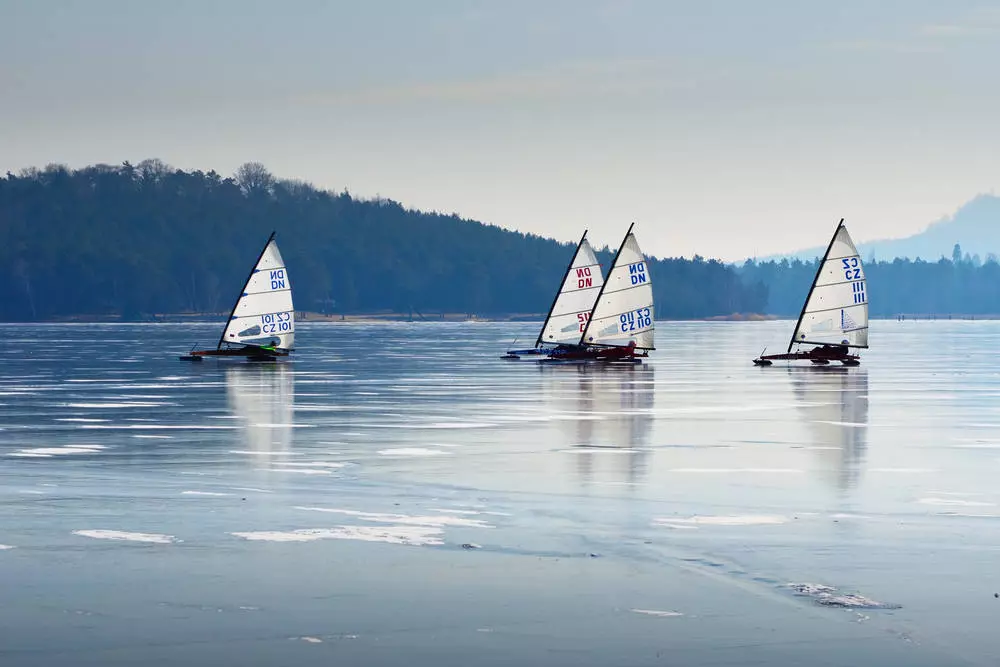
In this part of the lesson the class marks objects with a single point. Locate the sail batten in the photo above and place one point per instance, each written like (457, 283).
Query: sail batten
(264, 314)
(836, 309)
(623, 313)
(574, 301)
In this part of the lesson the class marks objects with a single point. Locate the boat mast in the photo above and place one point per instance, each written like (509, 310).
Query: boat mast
(614, 261)
(559, 291)
(813, 286)
(242, 291)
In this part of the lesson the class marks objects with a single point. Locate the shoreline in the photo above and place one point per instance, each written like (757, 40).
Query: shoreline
(376, 318)
(361, 318)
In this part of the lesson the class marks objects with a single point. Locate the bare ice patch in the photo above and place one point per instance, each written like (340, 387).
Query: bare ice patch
(656, 612)
(406, 535)
(738, 520)
(48, 452)
(828, 596)
(404, 519)
(150, 538)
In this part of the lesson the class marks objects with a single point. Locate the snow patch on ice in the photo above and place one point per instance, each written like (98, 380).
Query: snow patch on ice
(315, 464)
(404, 519)
(204, 493)
(406, 535)
(151, 538)
(48, 452)
(411, 451)
(731, 471)
(740, 520)
(656, 612)
(953, 502)
(828, 596)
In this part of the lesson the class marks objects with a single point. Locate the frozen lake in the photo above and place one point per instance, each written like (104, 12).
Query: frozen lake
(398, 495)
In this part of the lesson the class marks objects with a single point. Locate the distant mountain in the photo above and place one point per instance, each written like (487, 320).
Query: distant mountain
(975, 226)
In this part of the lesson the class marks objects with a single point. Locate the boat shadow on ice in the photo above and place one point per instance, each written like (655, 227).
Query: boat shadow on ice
(605, 415)
(833, 404)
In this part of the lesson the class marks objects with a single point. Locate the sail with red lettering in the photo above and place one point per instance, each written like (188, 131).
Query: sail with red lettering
(571, 308)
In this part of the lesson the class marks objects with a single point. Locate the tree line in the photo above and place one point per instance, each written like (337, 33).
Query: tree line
(137, 240)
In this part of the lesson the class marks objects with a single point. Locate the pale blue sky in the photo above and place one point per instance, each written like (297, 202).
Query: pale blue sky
(726, 128)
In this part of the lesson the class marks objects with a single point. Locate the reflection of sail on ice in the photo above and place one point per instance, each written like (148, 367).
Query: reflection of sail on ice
(612, 410)
(262, 397)
(834, 402)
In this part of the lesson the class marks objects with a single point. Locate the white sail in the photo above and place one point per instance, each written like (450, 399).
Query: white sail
(264, 314)
(624, 310)
(571, 309)
(836, 310)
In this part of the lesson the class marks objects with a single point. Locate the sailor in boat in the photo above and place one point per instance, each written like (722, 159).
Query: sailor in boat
(611, 353)
(830, 351)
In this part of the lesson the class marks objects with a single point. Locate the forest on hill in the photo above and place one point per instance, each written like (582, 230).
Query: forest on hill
(960, 285)
(137, 240)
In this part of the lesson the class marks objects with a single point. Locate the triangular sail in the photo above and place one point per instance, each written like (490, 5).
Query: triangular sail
(571, 308)
(624, 309)
(264, 314)
(836, 310)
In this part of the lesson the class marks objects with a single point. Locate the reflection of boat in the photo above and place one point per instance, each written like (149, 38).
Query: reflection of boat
(261, 325)
(572, 304)
(262, 397)
(834, 403)
(834, 316)
(604, 409)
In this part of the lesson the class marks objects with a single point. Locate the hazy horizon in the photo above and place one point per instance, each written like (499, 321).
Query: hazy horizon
(720, 128)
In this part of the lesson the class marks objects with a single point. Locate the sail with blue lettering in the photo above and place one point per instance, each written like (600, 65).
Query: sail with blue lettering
(264, 315)
(623, 313)
(836, 310)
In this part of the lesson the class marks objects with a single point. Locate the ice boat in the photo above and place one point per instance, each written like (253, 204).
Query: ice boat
(261, 325)
(834, 317)
(570, 309)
